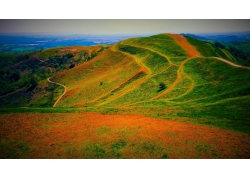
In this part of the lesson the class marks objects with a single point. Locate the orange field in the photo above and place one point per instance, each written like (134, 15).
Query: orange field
(95, 135)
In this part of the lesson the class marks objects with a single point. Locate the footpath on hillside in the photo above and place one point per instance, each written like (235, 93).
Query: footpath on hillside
(65, 90)
(192, 53)
(191, 50)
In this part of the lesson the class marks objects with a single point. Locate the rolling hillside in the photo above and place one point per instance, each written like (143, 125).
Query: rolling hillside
(24, 76)
(163, 96)
(166, 76)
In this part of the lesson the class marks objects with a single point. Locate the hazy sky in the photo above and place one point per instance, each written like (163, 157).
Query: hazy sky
(91, 26)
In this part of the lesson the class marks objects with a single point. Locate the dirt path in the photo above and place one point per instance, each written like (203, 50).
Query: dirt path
(230, 63)
(179, 74)
(152, 50)
(144, 68)
(132, 87)
(191, 50)
(192, 53)
(109, 93)
(65, 90)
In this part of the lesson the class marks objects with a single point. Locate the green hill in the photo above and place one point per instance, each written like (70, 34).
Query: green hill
(166, 75)
(163, 96)
(159, 74)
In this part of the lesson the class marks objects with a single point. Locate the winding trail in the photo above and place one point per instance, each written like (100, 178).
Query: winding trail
(231, 63)
(152, 50)
(144, 68)
(65, 90)
(192, 53)
(191, 50)
(179, 74)
(130, 88)
(109, 93)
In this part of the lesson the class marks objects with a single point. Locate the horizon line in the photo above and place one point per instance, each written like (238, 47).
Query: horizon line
(120, 34)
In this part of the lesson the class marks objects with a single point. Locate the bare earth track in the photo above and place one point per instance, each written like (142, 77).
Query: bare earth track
(231, 63)
(192, 53)
(191, 50)
(64, 92)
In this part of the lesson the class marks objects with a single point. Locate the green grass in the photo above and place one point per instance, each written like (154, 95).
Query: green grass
(85, 90)
(17, 99)
(208, 92)
(149, 88)
(212, 77)
(177, 60)
(36, 110)
(231, 115)
(207, 49)
(13, 150)
(161, 43)
(150, 59)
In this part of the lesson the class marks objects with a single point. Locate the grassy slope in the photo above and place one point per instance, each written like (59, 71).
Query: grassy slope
(126, 78)
(44, 94)
(92, 80)
(156, 58)
(207, 49)
(208, 91)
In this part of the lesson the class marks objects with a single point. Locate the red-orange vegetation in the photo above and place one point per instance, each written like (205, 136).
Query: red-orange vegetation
(79, 104)
(77, 135)
(71, 92)
(191, 50)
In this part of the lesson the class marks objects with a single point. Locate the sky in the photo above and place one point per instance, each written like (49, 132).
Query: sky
(122, 27)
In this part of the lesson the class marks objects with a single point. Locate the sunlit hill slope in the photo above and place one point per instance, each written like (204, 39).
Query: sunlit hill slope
(163, 96)
(165, 75)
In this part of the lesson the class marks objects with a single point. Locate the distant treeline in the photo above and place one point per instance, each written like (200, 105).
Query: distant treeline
(25, 71)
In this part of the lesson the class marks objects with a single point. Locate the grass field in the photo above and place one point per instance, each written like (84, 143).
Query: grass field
(163, 96)
(94, 135)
